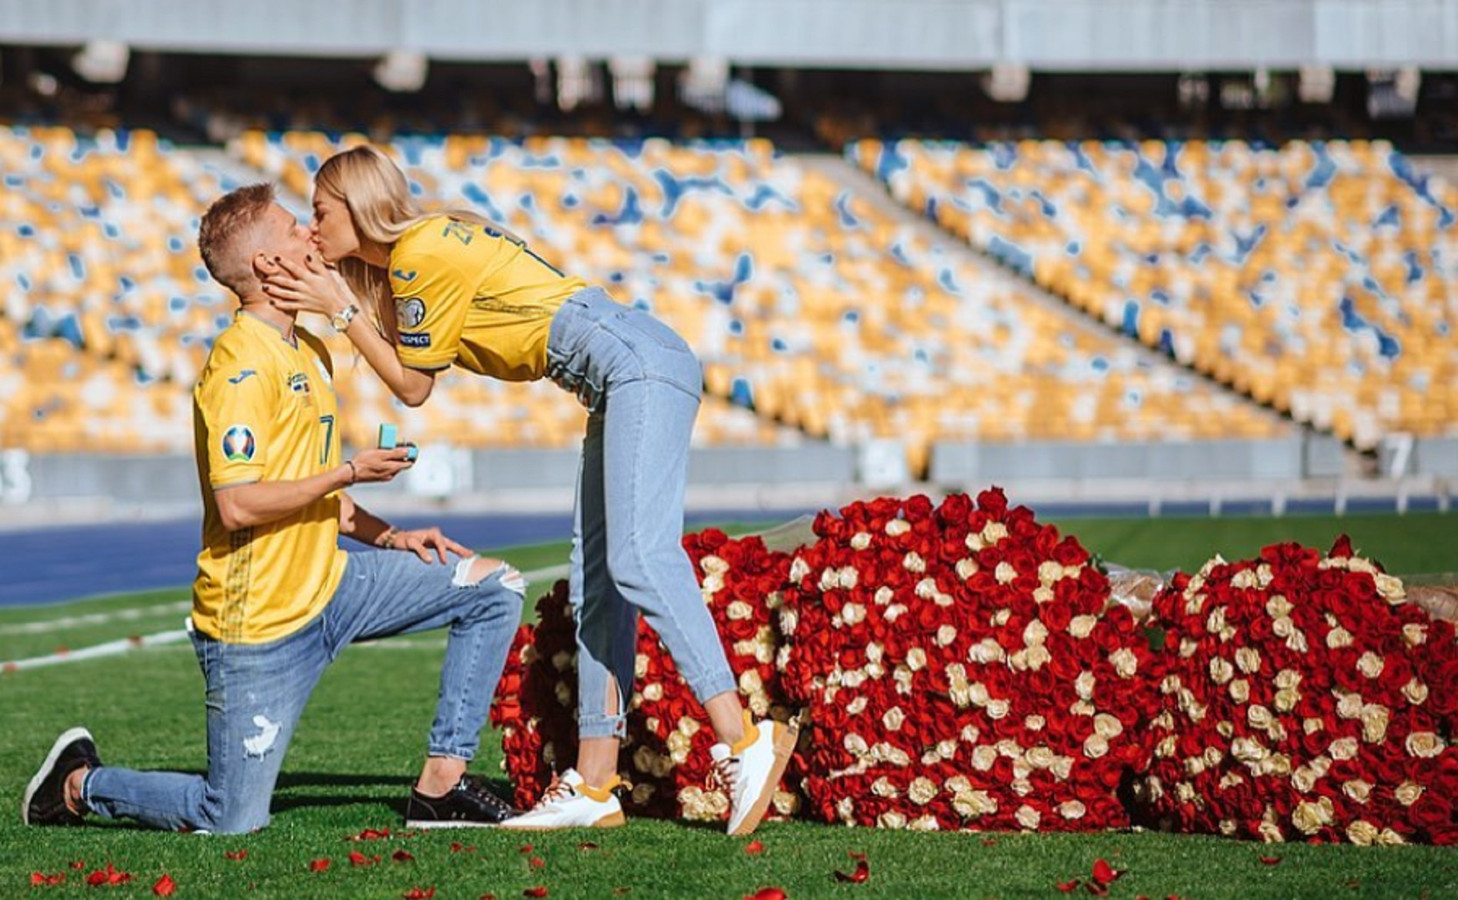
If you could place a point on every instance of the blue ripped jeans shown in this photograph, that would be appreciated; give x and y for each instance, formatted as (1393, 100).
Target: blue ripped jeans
(256, 692)
(640, 383)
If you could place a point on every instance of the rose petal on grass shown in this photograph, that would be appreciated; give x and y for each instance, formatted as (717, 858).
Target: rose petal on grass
(768, 893)
(754, 848)
(236, 854)
(538, 891)
(587, 845)
(536, 862)
(1069, 886)
(525, 848)
(458, 847)
(41, 879)
(1098, 890)
(402, 856)
(319, 865)
(859, 876)
(1103, 873)
(988, 842)
(358, 859)
(371, 834)
(417, 893)
(164, 886)
(1270, 860)
(79, 864)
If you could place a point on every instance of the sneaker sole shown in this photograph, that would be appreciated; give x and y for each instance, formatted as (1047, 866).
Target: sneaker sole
(425, 824)
(611, 820)
(786, 736)
(65, 740)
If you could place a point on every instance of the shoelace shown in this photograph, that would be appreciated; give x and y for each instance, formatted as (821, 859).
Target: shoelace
(724, 773)
(556, 790)
(478, 788)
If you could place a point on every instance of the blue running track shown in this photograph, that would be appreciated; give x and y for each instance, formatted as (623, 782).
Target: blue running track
(54, 565)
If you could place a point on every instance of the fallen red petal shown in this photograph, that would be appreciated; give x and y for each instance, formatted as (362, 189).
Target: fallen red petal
(537, 891)
(1069, 886)
(861, 874)
(39, 879)
(768, 893)
(1270, 860)
(419, 893)
(371, 834)
(1098, 890)
(164, 886)
(402, 856)
(525, 848)
(318, 865)
(358, 859)
(988, 842)
(754, 848)
(536, 862)
(487, 897)
(236, 854)
(1104, 873)
(587, 845)
(78, 864)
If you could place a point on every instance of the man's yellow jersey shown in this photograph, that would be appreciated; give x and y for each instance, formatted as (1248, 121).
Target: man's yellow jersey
(264, 410)
(469, 295)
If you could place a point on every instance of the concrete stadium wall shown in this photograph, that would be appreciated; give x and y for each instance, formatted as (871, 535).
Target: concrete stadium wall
(968, 35)
(173, 479)
(968, 462)
(1435, 456)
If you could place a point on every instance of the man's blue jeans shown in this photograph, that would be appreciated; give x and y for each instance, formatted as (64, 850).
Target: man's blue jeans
(641, 385)
(256, 692)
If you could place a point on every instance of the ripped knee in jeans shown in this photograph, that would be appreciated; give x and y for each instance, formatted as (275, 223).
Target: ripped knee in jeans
(476, 569)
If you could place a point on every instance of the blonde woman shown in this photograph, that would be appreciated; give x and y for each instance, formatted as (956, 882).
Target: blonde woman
(453, 290)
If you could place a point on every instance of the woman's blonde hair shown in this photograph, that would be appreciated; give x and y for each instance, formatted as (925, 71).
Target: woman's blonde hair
(377, 195)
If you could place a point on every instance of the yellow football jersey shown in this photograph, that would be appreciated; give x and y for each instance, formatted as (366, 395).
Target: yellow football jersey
(264, 410)
(469, 295)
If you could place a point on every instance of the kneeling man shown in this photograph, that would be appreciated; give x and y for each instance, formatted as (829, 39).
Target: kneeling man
(275, 599)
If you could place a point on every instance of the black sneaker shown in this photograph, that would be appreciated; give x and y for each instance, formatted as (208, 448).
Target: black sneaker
(45, 796)
(468, 805)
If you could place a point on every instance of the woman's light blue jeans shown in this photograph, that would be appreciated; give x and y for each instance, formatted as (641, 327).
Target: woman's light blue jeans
(641, 384)
(256, 692)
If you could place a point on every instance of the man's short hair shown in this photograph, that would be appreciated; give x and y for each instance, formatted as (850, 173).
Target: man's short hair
(224, 238)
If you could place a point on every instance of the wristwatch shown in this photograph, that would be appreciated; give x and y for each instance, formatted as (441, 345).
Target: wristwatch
(340, 320)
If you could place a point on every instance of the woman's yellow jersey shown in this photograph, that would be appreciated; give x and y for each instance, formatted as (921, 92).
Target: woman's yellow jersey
(264, 410)
(469, 295)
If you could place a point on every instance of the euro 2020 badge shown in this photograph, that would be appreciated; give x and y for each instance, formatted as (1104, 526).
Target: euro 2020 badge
(409, 313)
(238, 444)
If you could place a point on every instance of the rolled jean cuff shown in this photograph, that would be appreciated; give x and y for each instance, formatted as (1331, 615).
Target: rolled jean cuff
(86, 788)
(712, 685)
(602, 726)
(453, 752)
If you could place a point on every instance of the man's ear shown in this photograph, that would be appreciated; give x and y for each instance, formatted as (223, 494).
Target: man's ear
(263, 265)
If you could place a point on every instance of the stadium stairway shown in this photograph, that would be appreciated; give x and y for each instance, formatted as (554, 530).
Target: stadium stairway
(875, 192)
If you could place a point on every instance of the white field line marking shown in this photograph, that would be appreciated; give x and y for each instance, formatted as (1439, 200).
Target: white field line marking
(114, 648)
(96, 651)
(551, 573)
(99, 618)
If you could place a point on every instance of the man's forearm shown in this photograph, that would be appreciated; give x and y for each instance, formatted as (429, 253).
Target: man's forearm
(262, 502)
(359, 523)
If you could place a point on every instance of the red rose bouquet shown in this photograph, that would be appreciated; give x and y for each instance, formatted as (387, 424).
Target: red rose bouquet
(1305, 698)
(963, 667)
(665, 757)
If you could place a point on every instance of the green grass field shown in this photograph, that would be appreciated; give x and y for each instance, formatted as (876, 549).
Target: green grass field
(362, 738)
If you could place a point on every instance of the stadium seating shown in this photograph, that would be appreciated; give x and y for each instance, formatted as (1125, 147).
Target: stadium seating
(110, 314)
(1314, 277)
(804, 300)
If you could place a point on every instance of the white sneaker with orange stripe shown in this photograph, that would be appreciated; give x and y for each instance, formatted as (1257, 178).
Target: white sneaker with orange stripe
(751, 770)
(570, 802)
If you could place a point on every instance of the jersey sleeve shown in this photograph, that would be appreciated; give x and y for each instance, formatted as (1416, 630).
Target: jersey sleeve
(432, 296)
(236, 421)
